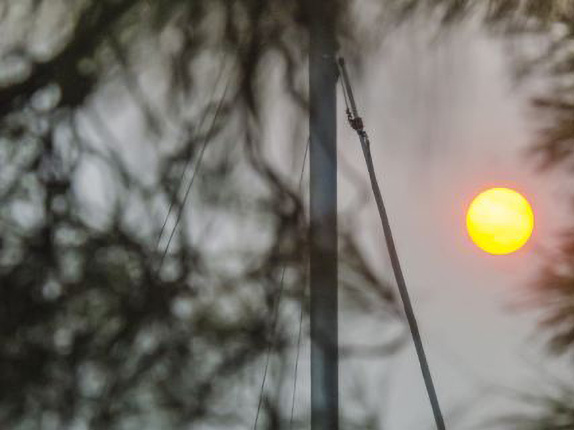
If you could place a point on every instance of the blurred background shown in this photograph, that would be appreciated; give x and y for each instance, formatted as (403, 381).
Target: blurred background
(154, 213)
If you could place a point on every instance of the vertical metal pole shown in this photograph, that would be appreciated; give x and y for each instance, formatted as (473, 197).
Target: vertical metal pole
(323, 229)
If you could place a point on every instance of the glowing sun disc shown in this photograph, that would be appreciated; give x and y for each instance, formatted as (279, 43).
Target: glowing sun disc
(500, 221)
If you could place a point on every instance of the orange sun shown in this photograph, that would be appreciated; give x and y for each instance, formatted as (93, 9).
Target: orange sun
(500, 221)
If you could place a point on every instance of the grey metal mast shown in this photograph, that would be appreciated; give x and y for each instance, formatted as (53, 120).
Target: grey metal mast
(323, 206)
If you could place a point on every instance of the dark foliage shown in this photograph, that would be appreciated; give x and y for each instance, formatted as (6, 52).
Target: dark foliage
(101, 326)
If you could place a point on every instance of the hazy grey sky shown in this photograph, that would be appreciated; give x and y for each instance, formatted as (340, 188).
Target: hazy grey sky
(446, 121)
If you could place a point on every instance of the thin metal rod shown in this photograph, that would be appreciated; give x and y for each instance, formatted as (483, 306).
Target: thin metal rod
(395, 262)
(323, 223)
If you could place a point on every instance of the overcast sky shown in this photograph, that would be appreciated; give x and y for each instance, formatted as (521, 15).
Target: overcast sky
(446, 121)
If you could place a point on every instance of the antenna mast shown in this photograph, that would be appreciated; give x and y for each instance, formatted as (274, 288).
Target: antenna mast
(323, 207)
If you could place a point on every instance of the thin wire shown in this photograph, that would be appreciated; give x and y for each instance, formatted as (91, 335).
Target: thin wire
(296, 368)
(206, 141)
(356, 123)
(189, 159)
(276, 316)
(300, 321)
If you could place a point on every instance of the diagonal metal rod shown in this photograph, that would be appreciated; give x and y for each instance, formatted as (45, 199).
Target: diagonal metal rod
(357, 124)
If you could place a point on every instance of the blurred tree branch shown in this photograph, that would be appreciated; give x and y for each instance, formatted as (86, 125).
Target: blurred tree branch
(93, 334)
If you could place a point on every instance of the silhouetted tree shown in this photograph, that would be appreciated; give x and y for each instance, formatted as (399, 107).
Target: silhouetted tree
(105, 111)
